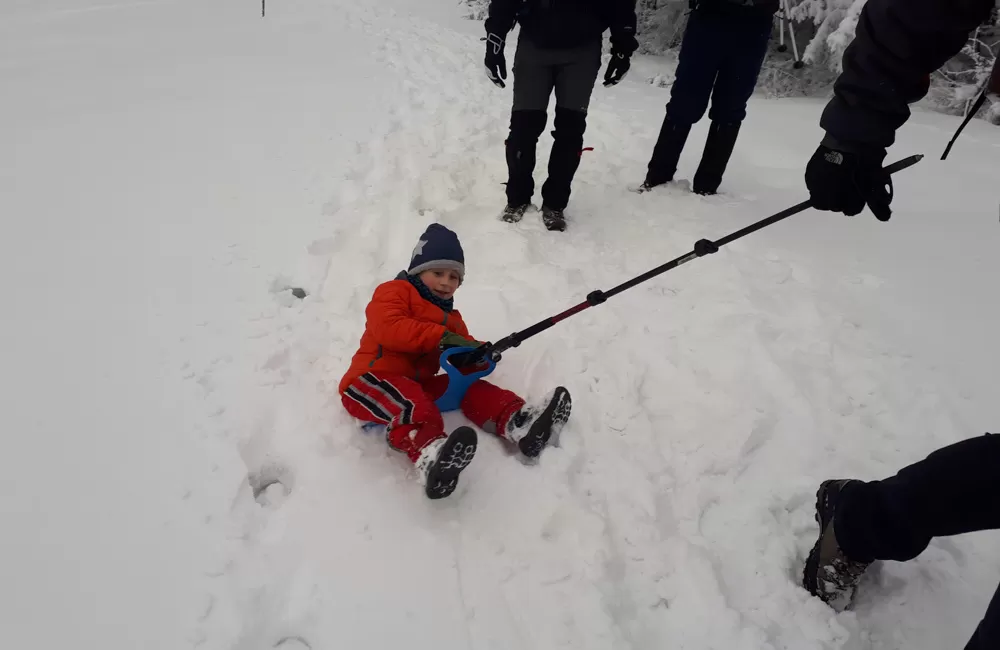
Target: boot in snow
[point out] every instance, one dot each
(718, 149)
(533, 426)
(443, 460)
(513, 213)
(829, 573)
(666, 154)
(553, 219)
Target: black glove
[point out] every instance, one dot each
(475, 360)
(496, 63)
(844, 181)
(617, 68)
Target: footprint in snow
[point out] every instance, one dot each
(271, 484)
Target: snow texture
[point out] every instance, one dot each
(178, 471)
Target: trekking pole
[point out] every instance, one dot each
(701, 248)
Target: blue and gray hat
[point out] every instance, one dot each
(438, 248)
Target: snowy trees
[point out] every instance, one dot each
(956, 85)
(953, 87)
(834, 22)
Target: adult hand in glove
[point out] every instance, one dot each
(496, 63)
(617, 68)
(845, 181)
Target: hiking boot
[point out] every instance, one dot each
(829, 573)
(514, 213)
(553, 219)
(533, 426)
(443, 460)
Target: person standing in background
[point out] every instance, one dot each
(721, 55)
(559, 48)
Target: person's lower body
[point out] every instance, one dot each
(412, 419)
(953, 491)
(734, 85)
(720, 59)
(414, 425)
(571, 74)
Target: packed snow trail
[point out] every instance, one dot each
(676, 510)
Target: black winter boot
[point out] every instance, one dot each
(829, 574)
(513, 213)
(533, 426)
(718, 149)
(567, 146)
(553, 219)
(666, 153)
(525, 127)
(443, 460)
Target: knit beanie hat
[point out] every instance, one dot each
(438, 248)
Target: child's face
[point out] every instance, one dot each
(443, 283)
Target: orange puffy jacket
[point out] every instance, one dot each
(402, 334)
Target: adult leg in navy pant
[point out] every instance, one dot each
(953, 491)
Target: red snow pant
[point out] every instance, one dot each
(412, 419)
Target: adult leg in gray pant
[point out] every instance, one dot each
(537, 72)
(574, 86)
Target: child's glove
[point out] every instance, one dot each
(476, 359)
(453, 340)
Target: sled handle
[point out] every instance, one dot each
(458, 382)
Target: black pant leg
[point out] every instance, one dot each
(987, 636)
(744, 43)
(955, 490)
(525, 127)
(564, 159)
(575, 78)
(697, 67)
(534, 79)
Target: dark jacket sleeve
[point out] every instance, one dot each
(502, 15)
(897, 45)
(623, 23)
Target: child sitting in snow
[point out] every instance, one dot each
(394, 380)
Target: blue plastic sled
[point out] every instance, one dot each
(458, 383)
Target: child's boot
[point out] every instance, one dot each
(442, 460)
(532, 426)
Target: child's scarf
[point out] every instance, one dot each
(425, 293)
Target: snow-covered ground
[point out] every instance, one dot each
(169, 169)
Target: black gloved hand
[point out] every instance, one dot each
(844, 181)
(496, 63)
(475, 360)
(617, 68)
